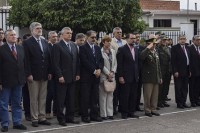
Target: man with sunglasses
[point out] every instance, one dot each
(181, 72)
(92, 63)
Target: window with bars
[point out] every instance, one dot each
(162, 23)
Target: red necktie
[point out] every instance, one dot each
(14, 52)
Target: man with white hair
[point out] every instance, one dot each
(12, 78)
(38, 73)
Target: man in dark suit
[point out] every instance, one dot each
(91, 66)
(139, 88)
(66, 65)
(12, 78)
(127, 69)
(180, 67)
(38, 72)
(25, 92)
(51, 86)
(194, 82)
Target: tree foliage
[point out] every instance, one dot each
(80, 15)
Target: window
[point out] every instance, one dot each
(162, 22)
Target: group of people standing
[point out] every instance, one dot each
(74, 76)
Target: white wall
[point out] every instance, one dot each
(183, 4)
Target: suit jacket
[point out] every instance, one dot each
(107, 68)
(151, 72)
(179, 60)
(89, 63)
(11, 70)
(38, 63)
(194, 61)
(127, 67)
(66, 62)
(114, 44)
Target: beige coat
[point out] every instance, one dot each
(106, 68)
(114, 44)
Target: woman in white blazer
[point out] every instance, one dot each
(108, 73)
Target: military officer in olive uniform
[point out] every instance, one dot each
(165, 65)
(151, 76)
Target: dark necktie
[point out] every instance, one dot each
(14, 52)
(40, 44)
(68, 46)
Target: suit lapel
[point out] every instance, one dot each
(129, 52)
(65, 46)
(36, 44)
(10, 52)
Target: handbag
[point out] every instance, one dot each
(109, 86)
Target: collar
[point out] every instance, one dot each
(10, 45)
(65, 42)
(91, 45)
(37, 38)
(117, 40)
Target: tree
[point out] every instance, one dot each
(80, 15)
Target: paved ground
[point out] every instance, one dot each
(172, 120)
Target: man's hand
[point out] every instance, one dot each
(30, 78)
(121, 80)
(49, 76)
(150, 46)
(161, 81)
(1, 87)
(176, 74)
(61, 80)
(77, 78)
(98, 73)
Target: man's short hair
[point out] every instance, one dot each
(1, 29)
(63, 29)
(128, 35)
(89, 33)
(196, 37)
(33, 25)
(79, 36)
(116, 28)
(7, 31)
(51, 32)
(26, 36)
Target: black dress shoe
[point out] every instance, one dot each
(148, 114)
(167, 99)
(180, 106)
(97, 119)
(104, 118)
(157, 108)
(155, 113)
(166, 105)
(139, 109)
(85, 119)
(141, 104)
(4, 129)
(193, 105)
(20, 127)
(62, 123)
(35, 124)
(45, 122)
(72, 121)
(161, 105)
(28, 118)
(124, 116)
(110, 117)
(133, 116)
(186, 106)
(198, 103)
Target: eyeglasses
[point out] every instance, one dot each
(93, 37)
(132, 38)
(1, 33)
(119, 32)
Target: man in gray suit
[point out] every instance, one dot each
(66, 66)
